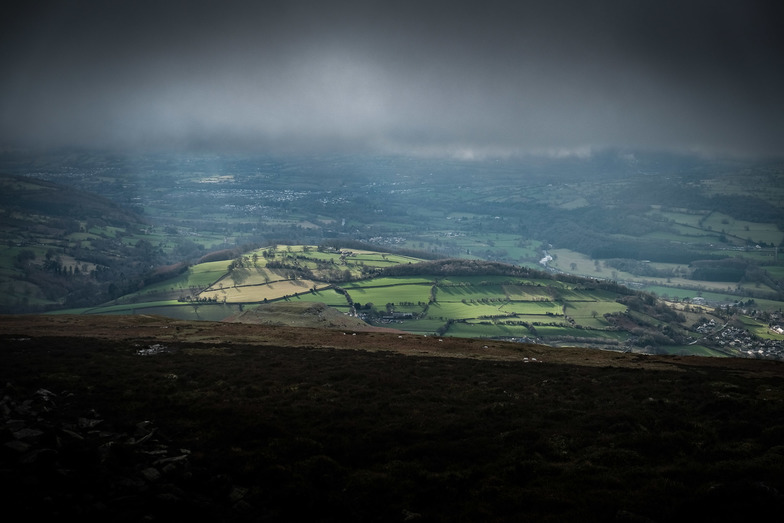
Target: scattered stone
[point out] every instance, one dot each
(66, 467)
(28, 433)
(87, 423)
(151, 474)
(18, 446)
(151, 350)
(237, 493)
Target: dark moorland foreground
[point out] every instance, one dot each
(145, 418)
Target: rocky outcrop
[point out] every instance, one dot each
(60, 463)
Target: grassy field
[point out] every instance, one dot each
(591, 314)
(777, 272)
(746, 230)
(254, 293)
(202, 275)
(395, 294)
(534, 308)
(488, 330)
(694, 350)
(327, 296)
(388, 282)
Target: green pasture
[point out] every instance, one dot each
(595, 295)
(105, 231)
(680, 234)
(762, 304)
(683, 293)
(132, 308)
(375, 259)
(712, 225)
(757, 232)
(310, 256)
(388, 282)
(580, 308)
(328, 297)
(202, 275)
(644, 318)
(526, 292)
(692, 219)
(585, 266)
(283, 250)
(80, 310)
(538, 318)
(691, 350)
(757, 288)
(534, 308)
(674, 268)
(469, 292)
(759, 328)
(254, 276)
(762, 256)
(421, 326)
(684, 234)
(479, 330)
(591, 314)
(202, 312)
(514, 247)
(490, 279)
(720, 291)
(459, 311)
(380, 296)
(207, 240)
(581, 295)
(557, 331)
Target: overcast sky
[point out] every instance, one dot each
(461, 79)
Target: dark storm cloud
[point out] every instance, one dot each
(458, 78)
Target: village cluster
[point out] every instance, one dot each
(739, 339)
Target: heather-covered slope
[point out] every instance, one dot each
(126, 418)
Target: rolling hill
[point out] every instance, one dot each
(448, 297)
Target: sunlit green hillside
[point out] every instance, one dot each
(459, 298)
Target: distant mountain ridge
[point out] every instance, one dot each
(26, 195)
(67, 247)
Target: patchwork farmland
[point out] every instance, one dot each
(451, 298)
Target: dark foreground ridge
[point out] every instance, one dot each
(144, 418)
